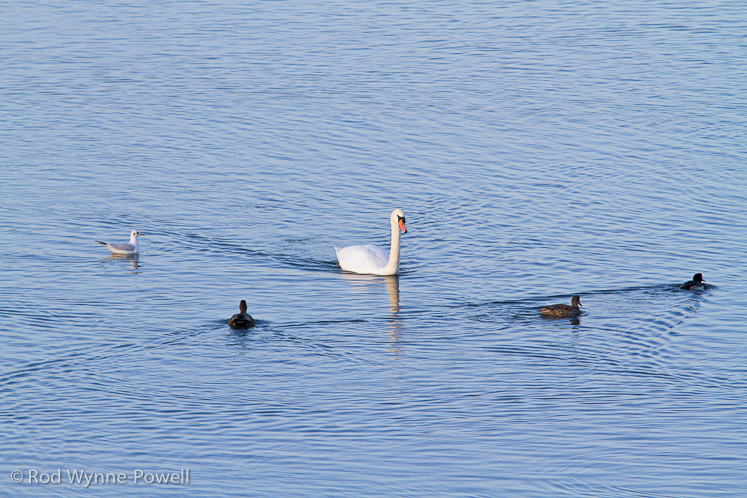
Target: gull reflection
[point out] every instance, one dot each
(132, 258)
(364, 283)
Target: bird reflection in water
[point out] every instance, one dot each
(132, 258)
(365, 282)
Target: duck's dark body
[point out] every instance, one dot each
(695, 283)
(241, 320)
(563, 310)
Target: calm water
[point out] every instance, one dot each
(539, 150)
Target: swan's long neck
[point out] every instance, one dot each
(392, 267)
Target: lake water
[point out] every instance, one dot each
(538, 149)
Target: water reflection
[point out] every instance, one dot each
(573, 320)
(132, 258)
(392, 287)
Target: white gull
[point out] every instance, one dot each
(124, 248)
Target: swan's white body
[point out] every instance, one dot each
(371, 259)
(124, 248)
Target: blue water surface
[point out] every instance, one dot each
(539, 150)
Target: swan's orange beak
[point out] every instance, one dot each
(402, 226)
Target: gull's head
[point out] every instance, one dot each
(135, 234)
(398, 218)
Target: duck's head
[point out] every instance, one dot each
(242, 307)
(398, 218)
(698, 277)
(576, 301)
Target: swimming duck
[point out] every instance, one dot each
(696, 283)
(562, 310)
(241, 320)
(124, 247)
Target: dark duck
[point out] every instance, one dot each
(241, 320)
(563, 310)
(696, 283)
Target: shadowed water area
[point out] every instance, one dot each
(539, 150)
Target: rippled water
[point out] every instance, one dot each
(539, 150)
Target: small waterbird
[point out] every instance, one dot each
(241, 320)
(563, 310)
(124, 247)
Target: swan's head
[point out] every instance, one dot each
(576, 302)
(398, 218)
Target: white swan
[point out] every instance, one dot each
(371, 259)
